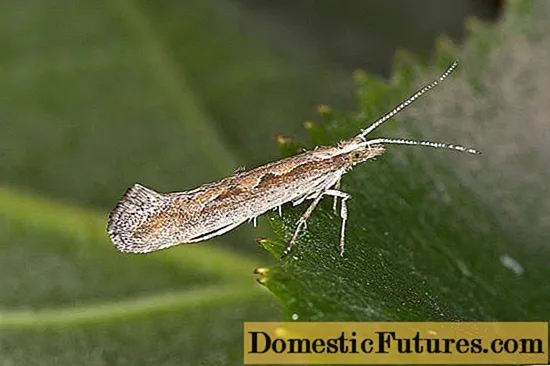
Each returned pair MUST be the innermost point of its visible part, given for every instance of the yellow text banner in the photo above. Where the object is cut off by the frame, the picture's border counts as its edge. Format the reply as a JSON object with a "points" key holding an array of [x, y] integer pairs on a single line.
{"points": [[396, 343]]}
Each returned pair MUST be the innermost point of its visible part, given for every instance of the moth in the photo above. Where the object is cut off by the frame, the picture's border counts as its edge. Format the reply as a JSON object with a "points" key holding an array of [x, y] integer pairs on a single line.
{"points": [[145, 220]]}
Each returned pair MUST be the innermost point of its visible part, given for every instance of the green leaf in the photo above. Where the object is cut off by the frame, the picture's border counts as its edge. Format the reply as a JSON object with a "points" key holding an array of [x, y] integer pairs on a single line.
{"points": [[435, 235]]}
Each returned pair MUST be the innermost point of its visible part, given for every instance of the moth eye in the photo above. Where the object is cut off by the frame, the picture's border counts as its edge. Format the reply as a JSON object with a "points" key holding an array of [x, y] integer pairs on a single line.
{"points": [[356, 155]]}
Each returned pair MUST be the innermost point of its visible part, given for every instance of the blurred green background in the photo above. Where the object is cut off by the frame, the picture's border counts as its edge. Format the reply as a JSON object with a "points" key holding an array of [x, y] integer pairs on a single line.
{"points": [[95, 96]]}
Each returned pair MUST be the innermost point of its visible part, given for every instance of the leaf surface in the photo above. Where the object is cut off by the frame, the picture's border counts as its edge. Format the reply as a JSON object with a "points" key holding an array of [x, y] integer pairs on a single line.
{"points": [[435, 235]]}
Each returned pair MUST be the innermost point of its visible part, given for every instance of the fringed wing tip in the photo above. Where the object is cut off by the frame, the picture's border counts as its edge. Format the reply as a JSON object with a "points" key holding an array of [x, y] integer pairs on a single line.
{"points": [[136, 204]]}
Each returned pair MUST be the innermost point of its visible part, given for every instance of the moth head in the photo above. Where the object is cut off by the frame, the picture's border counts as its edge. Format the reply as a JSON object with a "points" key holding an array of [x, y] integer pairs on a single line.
{"points": [[365, 152]]}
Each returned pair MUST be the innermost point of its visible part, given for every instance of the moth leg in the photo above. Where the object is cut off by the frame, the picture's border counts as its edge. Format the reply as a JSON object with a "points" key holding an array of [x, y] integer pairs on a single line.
{"points": [[302, 224], [343, 214], [214, 233], [335, 203]]}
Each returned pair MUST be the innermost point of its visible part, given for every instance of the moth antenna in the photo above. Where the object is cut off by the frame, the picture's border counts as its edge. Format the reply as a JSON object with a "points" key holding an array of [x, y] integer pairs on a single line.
{"points": [[408, 101], [438, 145]]}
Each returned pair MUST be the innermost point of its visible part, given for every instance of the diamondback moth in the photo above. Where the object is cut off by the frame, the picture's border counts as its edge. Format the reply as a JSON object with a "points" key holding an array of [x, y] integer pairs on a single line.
{"points": [[145, 220]]}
